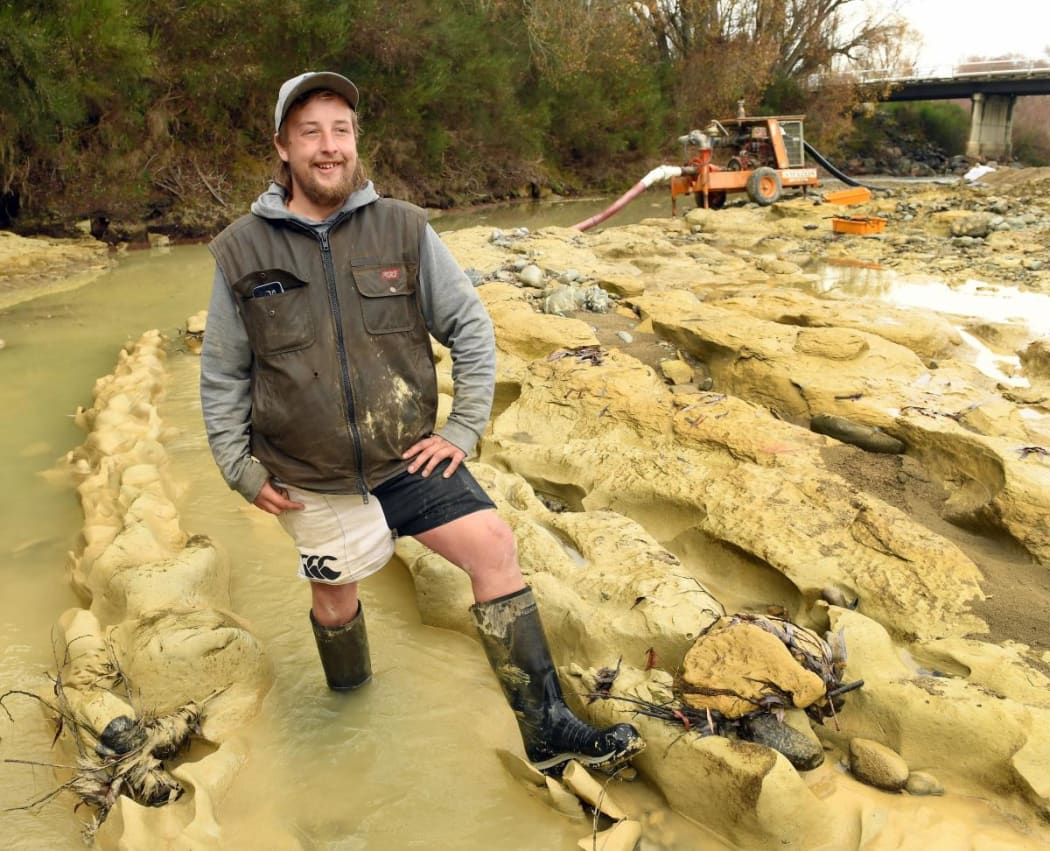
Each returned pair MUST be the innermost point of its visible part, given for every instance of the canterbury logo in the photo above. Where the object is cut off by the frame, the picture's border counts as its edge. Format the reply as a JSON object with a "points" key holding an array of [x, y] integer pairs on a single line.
{"points": [[390, 274], [315, 567]]}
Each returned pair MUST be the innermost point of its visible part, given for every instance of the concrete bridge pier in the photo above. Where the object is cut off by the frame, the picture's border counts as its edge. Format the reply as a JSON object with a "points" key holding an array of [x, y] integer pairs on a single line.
{"points": [[991, 126]]}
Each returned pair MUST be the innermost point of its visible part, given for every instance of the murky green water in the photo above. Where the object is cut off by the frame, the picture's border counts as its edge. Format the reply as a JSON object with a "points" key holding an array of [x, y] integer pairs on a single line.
{"points": [[559, 213]]}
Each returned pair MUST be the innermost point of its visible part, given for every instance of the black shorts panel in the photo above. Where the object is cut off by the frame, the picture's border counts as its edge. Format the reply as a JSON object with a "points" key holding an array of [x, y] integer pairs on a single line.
{"points": [[414, 504]]}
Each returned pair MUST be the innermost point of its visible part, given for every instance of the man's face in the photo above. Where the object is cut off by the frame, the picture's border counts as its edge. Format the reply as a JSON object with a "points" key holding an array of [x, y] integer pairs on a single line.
{"points": [[320, 147]]}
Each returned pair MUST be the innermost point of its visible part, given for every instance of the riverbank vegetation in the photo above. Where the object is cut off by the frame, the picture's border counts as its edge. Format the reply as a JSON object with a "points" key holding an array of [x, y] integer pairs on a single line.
{"points": [[126, 111]]}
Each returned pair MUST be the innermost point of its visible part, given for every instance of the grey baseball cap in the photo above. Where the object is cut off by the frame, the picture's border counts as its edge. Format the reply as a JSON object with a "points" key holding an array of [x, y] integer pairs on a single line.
{"points": [[311, 81]]}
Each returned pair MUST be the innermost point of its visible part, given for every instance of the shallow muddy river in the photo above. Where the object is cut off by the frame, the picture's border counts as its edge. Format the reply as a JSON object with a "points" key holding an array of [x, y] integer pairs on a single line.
{"points": [[408, 762]]}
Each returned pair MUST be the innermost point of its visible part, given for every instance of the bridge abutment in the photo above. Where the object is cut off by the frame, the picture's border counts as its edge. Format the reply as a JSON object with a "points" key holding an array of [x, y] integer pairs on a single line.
{"points": [[991, 126]]}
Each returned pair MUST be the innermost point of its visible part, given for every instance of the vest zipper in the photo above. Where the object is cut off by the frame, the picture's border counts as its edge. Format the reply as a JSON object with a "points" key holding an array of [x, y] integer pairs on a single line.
{"points": [[344, 361]]}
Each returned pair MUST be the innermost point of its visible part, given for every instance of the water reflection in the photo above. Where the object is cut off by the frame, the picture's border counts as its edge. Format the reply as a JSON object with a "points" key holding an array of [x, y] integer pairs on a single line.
{"points": [[560, 212], [973, 299], [868, 280]]}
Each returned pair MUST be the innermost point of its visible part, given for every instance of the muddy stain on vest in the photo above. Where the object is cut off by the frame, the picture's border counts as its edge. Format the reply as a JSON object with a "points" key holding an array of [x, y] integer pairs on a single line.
{"points": [[403, 410]]}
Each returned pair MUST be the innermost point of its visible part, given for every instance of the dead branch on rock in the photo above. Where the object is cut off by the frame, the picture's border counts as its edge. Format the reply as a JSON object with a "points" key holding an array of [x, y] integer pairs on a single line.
{"points": [[1025, 451], [702, 722], [594, 354], [128, 755]]}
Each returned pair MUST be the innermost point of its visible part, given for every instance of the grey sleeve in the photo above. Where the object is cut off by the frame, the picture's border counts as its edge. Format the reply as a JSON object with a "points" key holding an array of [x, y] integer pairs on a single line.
{"points": [[456, 317], [226, 361]]}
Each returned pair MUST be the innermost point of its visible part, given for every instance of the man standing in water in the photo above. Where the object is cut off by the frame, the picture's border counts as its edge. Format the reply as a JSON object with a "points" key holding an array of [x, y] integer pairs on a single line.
{"points": [[320, 403]]}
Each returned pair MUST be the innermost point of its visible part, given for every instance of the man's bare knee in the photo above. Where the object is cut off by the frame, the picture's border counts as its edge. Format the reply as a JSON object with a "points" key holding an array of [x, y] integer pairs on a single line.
{"points": [[333, 605], [501, 542]]}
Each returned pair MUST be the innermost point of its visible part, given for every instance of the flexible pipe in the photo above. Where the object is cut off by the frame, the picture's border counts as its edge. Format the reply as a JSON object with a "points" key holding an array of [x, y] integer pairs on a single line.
{"points": [[657, 175]]}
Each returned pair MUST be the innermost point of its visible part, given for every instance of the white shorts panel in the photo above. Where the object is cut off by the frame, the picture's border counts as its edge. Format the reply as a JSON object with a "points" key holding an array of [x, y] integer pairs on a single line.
{"points": [[340, 537]]}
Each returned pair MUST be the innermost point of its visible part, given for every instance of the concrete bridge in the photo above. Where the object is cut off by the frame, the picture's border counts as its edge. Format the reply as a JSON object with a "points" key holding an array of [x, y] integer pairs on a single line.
{"points": [[993, 88]]}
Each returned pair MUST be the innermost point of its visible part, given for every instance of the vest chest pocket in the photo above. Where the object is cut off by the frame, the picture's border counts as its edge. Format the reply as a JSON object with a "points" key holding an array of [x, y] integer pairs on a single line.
{"points": [[276, 310], [388, 303]]}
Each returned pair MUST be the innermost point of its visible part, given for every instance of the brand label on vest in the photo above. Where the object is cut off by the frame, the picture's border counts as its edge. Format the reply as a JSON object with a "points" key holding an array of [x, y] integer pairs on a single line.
{"points": [[390, 275]]}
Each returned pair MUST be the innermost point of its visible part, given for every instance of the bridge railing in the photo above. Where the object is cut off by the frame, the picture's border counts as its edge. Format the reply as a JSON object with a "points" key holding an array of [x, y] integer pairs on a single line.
{"points": [[984, 68]]}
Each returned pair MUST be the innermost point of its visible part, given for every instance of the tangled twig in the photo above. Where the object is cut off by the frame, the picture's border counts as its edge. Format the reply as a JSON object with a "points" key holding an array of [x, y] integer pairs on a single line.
{"points": [[128, 755]]}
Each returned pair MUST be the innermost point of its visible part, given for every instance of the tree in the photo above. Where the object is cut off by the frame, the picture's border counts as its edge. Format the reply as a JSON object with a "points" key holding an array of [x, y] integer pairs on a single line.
{"points": [[72, 73]]}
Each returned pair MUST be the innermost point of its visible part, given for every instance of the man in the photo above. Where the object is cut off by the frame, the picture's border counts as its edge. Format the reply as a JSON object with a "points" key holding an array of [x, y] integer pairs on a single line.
{"points": [[320, 402]]}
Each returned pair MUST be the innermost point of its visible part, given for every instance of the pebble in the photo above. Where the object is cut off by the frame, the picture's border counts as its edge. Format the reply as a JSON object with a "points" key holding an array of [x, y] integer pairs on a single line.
{"points": [[922, 783], [625, 337], [561, 300], [676, 371], [803, 753], [877, 765], [531, 276], [596, 299], [196, 324]]}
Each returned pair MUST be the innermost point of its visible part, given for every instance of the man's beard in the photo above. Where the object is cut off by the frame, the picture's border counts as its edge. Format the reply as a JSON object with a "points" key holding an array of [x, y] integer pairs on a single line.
{"points": [[329, 194]]}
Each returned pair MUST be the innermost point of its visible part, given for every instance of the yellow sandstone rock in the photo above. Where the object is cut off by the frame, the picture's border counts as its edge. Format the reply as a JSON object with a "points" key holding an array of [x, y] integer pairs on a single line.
{"points": [[740, 658]]}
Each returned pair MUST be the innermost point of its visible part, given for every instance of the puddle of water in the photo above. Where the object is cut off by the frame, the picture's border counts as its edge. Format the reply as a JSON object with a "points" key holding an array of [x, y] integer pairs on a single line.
{"points": [[1005, 369], [973, 300]]}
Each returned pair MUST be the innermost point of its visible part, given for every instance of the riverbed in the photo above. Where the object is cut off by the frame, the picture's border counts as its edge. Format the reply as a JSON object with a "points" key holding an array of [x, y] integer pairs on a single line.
{"points": [[412, 763]]}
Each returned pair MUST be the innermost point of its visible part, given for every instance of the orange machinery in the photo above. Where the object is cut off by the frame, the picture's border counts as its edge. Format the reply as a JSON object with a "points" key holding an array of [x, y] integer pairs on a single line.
{"points": [[765, 154]]}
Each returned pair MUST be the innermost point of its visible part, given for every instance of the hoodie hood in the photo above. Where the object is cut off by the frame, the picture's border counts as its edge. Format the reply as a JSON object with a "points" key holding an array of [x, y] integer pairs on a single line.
{"points": [[271, 204]]}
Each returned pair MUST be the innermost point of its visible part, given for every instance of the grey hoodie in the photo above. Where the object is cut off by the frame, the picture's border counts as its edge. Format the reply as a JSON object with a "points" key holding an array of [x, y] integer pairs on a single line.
{"points": [[453, 313]]}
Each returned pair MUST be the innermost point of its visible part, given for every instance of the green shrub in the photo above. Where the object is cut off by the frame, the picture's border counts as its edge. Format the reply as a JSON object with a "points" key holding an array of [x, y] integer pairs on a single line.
{"points": [[945, 124]]}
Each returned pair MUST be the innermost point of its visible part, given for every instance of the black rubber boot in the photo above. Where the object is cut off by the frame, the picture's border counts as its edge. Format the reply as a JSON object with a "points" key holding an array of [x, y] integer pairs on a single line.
{"points": [[344, 652], [512, 635]]}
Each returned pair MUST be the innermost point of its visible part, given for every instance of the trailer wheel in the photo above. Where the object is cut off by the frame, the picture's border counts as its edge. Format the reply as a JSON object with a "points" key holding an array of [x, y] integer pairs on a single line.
{"points": [[764, 186]]}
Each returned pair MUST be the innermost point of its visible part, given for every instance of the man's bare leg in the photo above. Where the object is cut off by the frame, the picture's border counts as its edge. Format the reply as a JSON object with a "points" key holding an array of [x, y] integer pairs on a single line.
{"points": [[333, 605], [482, 545]]}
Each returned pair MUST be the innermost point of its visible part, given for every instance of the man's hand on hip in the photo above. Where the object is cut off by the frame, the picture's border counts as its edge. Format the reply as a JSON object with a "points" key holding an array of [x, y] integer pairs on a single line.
{"points": [[431, 451], [274, 500]]}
